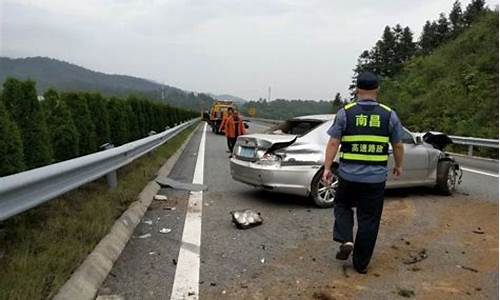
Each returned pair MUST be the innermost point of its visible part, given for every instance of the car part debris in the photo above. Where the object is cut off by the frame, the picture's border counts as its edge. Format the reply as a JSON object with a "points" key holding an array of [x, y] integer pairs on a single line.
{"points": [[438, 140], [165, 181], [421, 255], [407, 293], [149, 222], [144, 236], [246, 218], [165, 230], [262, 260], [160, 198], [478, 231], [467, 268], [174, 261]]}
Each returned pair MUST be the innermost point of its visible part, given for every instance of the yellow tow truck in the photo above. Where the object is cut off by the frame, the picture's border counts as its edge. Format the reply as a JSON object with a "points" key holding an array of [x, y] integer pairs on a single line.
{"points": [[217, 113]]}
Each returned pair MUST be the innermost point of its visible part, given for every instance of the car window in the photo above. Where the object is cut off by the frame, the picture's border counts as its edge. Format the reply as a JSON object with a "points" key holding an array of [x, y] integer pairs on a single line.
{"points": [[296, 127], [406, 137]]}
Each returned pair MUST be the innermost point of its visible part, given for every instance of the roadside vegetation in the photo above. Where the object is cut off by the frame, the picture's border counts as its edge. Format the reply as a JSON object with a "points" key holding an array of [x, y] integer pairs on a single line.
{"points": [[40, 248], [448, 80], [61, 126]]}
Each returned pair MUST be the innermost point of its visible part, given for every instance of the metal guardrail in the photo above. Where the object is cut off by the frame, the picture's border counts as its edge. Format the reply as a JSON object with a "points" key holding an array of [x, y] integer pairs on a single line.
{"points": [[459, 140], [22, 191], [471, 142]]}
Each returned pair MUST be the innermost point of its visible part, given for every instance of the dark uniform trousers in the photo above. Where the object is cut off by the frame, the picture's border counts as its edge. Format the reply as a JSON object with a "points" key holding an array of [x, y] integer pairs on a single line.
{"points": [[369, 200]]}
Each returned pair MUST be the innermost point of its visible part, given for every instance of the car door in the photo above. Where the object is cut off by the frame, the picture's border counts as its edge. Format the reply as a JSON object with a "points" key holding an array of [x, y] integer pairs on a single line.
{"points": [[416, 159]]}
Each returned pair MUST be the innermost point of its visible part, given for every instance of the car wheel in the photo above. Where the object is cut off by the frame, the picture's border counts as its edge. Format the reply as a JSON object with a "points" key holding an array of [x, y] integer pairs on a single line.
{"points": [[446, 177], [323, 195]]}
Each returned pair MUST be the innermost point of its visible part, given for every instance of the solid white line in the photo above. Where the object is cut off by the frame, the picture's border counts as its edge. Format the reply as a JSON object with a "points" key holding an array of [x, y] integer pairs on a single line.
{"points": [[479, 172], [187, 273]]}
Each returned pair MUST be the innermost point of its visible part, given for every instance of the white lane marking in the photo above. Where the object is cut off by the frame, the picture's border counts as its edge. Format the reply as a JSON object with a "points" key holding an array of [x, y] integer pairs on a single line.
{"points": [[187, 273], [479, 172]]}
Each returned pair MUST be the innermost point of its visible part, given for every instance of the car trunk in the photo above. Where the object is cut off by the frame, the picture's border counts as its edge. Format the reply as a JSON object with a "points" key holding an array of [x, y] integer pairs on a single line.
{"points": [[257, 146]]}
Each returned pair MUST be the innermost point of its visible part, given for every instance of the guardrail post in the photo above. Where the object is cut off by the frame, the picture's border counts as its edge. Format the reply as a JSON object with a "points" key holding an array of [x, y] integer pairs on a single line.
{"points": [[111, 177], [469, 153]]}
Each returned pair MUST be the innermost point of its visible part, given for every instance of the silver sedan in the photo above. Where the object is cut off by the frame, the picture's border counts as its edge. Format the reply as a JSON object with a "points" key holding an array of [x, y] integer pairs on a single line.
{"points": [[289, 158]]}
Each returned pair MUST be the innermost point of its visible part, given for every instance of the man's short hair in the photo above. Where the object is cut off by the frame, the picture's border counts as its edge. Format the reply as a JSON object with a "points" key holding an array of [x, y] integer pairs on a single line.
{"points": [[230, 109]]}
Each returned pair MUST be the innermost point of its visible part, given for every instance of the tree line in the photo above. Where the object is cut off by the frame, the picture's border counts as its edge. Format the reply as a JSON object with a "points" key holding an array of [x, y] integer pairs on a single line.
{"points": [[65, 125], [396, 46], [282, 109]]}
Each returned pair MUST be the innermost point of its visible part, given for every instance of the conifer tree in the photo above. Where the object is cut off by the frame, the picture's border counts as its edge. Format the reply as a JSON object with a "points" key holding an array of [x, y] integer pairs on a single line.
{"points": [[456, 18], [474, 9], [443, 29], [11, 147], [118, 121], [62, 130], [337, 103], [21, 101], [80, 113], [99, 113]]}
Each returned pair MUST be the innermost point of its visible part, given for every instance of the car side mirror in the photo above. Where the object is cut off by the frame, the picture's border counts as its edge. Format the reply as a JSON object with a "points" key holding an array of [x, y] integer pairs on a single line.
{"points": [[419, 140]]}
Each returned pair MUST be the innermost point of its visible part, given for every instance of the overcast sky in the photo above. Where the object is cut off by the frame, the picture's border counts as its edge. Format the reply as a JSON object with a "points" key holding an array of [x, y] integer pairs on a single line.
{"points": [[302, 49]]}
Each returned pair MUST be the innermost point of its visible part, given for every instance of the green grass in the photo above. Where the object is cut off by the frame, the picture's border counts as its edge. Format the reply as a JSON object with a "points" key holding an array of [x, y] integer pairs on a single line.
{"points": [[43, 246]]}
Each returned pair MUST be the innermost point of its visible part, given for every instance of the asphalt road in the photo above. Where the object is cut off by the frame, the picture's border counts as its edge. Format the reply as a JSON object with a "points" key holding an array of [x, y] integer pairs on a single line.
{"points": [[291, 256]]}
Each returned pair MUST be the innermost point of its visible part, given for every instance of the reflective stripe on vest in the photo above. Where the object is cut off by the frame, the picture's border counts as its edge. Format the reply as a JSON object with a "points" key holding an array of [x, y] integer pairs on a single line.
{"points": [[365, 157], [365, 138]]}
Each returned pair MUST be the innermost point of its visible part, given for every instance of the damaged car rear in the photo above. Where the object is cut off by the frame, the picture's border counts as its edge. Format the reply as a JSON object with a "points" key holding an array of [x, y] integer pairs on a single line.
{"points": [[288, 158]]}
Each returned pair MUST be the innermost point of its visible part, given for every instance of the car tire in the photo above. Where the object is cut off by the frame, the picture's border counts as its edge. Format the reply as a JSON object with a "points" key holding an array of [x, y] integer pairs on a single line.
{"points": [[446, 181], [321, 195]]}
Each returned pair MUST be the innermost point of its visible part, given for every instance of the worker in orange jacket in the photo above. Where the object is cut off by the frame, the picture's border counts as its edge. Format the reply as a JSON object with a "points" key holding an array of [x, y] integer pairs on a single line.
{"points": [[223, 125], [233, 127]]}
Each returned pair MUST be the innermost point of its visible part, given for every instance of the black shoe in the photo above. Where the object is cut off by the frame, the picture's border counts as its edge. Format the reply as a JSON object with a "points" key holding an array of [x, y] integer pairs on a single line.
{"points": [[344, 251], [361, 271]]}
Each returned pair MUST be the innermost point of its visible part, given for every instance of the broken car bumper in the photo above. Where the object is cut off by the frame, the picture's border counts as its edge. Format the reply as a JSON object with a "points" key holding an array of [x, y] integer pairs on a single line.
{"points": [[292, 179]]}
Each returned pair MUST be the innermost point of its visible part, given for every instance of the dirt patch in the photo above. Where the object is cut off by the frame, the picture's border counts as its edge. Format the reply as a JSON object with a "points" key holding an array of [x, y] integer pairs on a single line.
{"points": [[422, 240]]}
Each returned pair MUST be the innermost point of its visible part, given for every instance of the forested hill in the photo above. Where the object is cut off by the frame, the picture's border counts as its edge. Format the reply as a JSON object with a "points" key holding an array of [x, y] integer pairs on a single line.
{"points": [[453, 89], [48, 72]]}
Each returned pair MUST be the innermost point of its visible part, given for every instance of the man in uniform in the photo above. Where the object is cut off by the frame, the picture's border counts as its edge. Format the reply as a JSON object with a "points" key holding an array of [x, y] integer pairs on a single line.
{"points": [[363, 130]]}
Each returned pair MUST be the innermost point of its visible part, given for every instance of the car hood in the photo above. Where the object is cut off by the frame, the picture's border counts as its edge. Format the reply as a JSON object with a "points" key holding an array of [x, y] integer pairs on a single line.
{"points": [[438, 140]]}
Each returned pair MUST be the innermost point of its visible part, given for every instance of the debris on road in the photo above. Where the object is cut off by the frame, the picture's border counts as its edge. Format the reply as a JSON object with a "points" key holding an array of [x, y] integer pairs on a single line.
{"points": [[246, 218], [407, 293], [478, 231], [213, 284], [421, 255], [144, 236], [165, 230], [262, 260], [174, 261], [190, 293], [467, 268], [322, 296], [169, 208], [149, 222], [169, 182], [160, 198]]}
